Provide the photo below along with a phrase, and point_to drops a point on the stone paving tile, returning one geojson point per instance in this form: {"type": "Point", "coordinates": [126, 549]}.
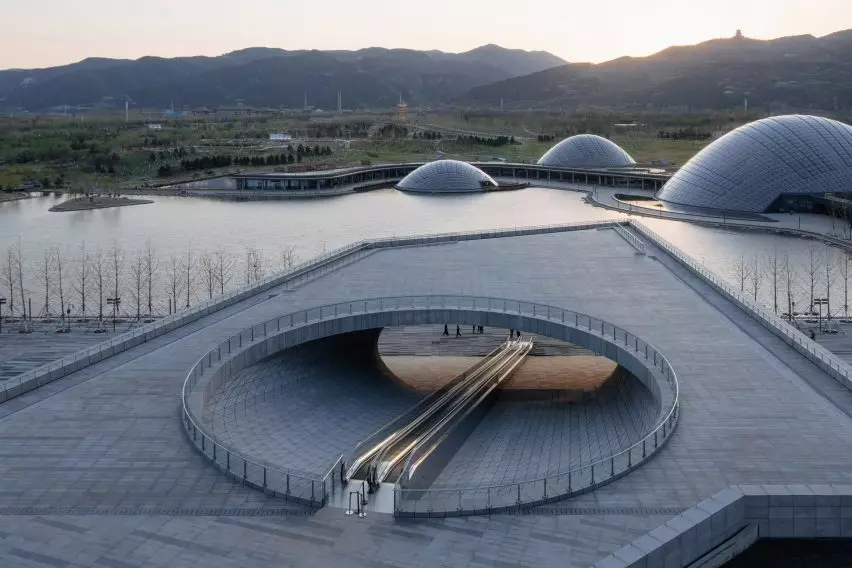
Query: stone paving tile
{"type": "Point", "coordinates": [522, 440]}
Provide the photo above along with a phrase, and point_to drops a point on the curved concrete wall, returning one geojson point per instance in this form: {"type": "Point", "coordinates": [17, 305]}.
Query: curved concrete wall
{"type": "Point", "coordinates": [231, 357]}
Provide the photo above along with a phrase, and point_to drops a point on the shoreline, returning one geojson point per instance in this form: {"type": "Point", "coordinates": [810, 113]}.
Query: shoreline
{"type": "Point", "coordinates": [89, 203]}
{"type": "Point", "coordinates": [13, 196]}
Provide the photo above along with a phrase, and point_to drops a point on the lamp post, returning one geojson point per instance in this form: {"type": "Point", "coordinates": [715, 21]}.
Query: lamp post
{"type": "Point", "coordinates": [114, 302]}
{"type": "Point", "coordinates": [2, 301]}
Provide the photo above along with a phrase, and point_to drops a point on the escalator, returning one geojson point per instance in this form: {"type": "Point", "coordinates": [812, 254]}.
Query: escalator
{"type": "Point", "coordinates": [385, 454]}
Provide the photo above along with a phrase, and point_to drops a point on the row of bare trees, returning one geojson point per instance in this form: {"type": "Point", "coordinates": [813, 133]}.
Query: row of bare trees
{"type": "Point", "coordinates": [820, 275]}
{"type": "Point", "coordinates": [79, 281]}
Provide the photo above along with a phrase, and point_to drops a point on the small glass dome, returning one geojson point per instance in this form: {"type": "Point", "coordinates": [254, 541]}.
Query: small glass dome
{"type": "Point", "coordinates": [446, 176]}
{"type": "Point", "coordinates": [586, 151]}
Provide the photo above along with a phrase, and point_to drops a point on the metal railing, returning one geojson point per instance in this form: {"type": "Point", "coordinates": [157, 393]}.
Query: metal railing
{"type": "Point", "coordinates": [315, 490]}
{"type": "Point", "coordinates": [301, 273]}
{"type": "Point", "coordinates": [816, 353]}
{"type": "Point", "coordinates": [632, 239]}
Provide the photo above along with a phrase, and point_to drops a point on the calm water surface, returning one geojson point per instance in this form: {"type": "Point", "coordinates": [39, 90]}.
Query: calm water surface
{"type": "Point", "coordinates": [173, 224]}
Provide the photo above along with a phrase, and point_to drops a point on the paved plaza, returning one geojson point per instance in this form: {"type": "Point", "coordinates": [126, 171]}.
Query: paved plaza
{"type": "Point", "coordinates": [548, 433]}
{"type": "Point", "coordinates": [96, 470]}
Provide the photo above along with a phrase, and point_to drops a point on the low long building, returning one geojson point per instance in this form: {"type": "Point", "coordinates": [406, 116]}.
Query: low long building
{"type": "Point", "coordinates": [360, 177]}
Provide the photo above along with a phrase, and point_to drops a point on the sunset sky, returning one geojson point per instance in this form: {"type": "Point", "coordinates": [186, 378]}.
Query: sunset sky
{"type": "Point", "coordinates": [40, 33]}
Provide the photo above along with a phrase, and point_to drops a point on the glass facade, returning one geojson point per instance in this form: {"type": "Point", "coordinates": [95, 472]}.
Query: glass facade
{"type": "Point", "coordinates": [446, 176]}
{"type": "Point", "coordinates": [586, 151]}
{"type": "Point", "coordinates": [751, 167]}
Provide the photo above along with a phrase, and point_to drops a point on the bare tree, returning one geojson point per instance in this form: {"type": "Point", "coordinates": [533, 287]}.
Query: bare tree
{"type": "Point", "coordinates": [190, 264]}
{"type": "Point", "coordinates": [224, 268]}
{"type": "Point", "coordinates": [255, 265]}
{"type": "Point", "coordinates": [742, 270]}
{"type": "Point", "coordinates": [288, 258]}
{"type": "Point", "coordinates": [116, 269]}
{"type": "Point", "coordinates": [175, 275]}
{"type": "Point", "coordinates": [47, 274]}
{"type": "Point", "coordinates": [151, 264]}
{"type": "Point", "coordinates": [137, 275]}
{"type": "Point", "coordinates": [9, 279]}
{"type": "Point", "coordinates": [20, 267]}
{"type": "Point", "coordinates": [58, 264]}
{"type": "Point", "coordinates": [812, 269]}
{"type": "Point", "coordinates": [99, 274]}
{"type": "Point", "coordinates": [844, 267]}
{"type": "Point", "coordinates": [830, 277]}
{"type": "Point", "coordinates": [207, 268]}
{"type": "Point", "coordinates": [82, 277]}
{"type": "Point", "coordinates": [756, 277]}
{"type": "Point", "coordinates": [774, 271]}
{"type": "Point", "coordinates": [788, 273]}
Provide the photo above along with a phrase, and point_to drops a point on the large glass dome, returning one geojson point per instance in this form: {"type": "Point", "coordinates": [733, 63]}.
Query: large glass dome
{"type": "Point", "coordinates": [446, 176]}
{"type": "Point", "coordinates": [586, 151]}
{"type": "Point", "coordinates": [752, 166]}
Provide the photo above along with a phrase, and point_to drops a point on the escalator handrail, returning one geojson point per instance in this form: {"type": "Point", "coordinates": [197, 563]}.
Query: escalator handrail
{"type": "Point", "coordinates": [437, 406]}
{"type": "Point", "coordinates": [394, 425]}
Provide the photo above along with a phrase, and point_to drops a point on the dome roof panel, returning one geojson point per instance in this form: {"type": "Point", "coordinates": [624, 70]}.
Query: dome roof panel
{"type": "Point", "coordinates": [586, 151]}
{"type": "Point", "coordinates": [449, 176]}
{"type": "Point", "coordinates": [750, 167]}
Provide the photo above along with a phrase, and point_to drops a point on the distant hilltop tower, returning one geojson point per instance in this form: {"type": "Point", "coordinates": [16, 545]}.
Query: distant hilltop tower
{"type": "Point", "coordinates": [401, 108]}
{"type": "Point", "coordinates": [739, 34]}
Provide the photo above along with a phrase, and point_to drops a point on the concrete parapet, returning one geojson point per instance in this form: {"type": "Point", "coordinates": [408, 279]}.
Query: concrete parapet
{"type": "Point", "coordinates": [717, 529]}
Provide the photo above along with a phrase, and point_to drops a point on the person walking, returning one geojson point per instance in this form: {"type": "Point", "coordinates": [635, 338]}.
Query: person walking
{"type": "Point", "coordinates": [519, 334]}
{"type": "Point", "coordinates": [446, 331]}
{"type": "Point", "coordinates": [511, 333]}
{"type": "Point", "coordinates": [458, 331]}
{"type": "Point", "coordinates": [472, 329]}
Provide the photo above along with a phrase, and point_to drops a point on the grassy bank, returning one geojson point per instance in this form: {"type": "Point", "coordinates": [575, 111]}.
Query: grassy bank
{"type": "Point", "coordinates": [110, 154]}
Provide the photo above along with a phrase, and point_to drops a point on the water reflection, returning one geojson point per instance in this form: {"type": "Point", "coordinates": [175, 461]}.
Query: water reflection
{"type": "Point", "coordinates": [309, 226]}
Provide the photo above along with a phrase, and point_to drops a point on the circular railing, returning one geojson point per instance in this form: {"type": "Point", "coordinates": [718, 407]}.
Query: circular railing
{"type": "Point", "coordinates": [207, 374]}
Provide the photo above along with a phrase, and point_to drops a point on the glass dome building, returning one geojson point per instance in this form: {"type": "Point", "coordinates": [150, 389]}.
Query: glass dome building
{"type": "Point", "coordinates": [446, 176]}
{"type": "Point", "coordinates": [766, 165]}
{"type": "Point", "coordinates": [587, 151]}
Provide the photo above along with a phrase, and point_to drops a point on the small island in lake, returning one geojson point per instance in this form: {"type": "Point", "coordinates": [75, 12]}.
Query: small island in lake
{"type": "Point", "coordinates": [97, 202]}
{"type": "Point", "coordinates": [13, 195]}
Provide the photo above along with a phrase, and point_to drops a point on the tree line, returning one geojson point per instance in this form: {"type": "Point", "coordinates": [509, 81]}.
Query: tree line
{"type": "Point", "coordinates": [226, 161]}
{"type": "Point", "coordinates": [494, 141]}
{"type": "Point", "coordinates": [77, 283]}
{"type": "Point", "coordinates": [684, 134]}
{"type": "Point", "coordinates": [793, 289]}
{"type": "Point", "coordinates": [427, 135]}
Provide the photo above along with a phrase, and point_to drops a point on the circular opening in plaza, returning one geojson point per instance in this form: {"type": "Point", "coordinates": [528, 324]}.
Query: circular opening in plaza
{"type": "Point", "coordinates": [431, 406]}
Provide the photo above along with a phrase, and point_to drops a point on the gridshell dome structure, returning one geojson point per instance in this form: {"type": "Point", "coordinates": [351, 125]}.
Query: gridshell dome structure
{"type": "Point", "coordinates": [446, 176]}
{"type": "Point", "coordinates": [751, 167]}
{"type": "Point", "coordinates": [586, 151]}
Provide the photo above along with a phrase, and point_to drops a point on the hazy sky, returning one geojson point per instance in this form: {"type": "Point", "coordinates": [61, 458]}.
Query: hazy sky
{"type": "Point", "coordinates": [38, 33]}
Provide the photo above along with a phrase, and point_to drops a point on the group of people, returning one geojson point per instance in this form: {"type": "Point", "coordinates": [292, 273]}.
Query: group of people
{"type": "Point", "coordinates": [479, 330]}
{"type": "Point", "coordinates": [476, 329]}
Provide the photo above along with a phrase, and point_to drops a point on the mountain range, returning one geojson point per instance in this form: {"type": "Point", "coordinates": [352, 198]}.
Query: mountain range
{"type": "Point", "coordinates": [796, 73]}
{"type": "Point", "coordinates": [800, 72]}
{"type": "Point", "coordinates": [372, 77]}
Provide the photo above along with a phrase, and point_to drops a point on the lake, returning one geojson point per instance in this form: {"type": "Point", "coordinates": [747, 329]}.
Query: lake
{"type": "Point", "coordinates": [174, 225]}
